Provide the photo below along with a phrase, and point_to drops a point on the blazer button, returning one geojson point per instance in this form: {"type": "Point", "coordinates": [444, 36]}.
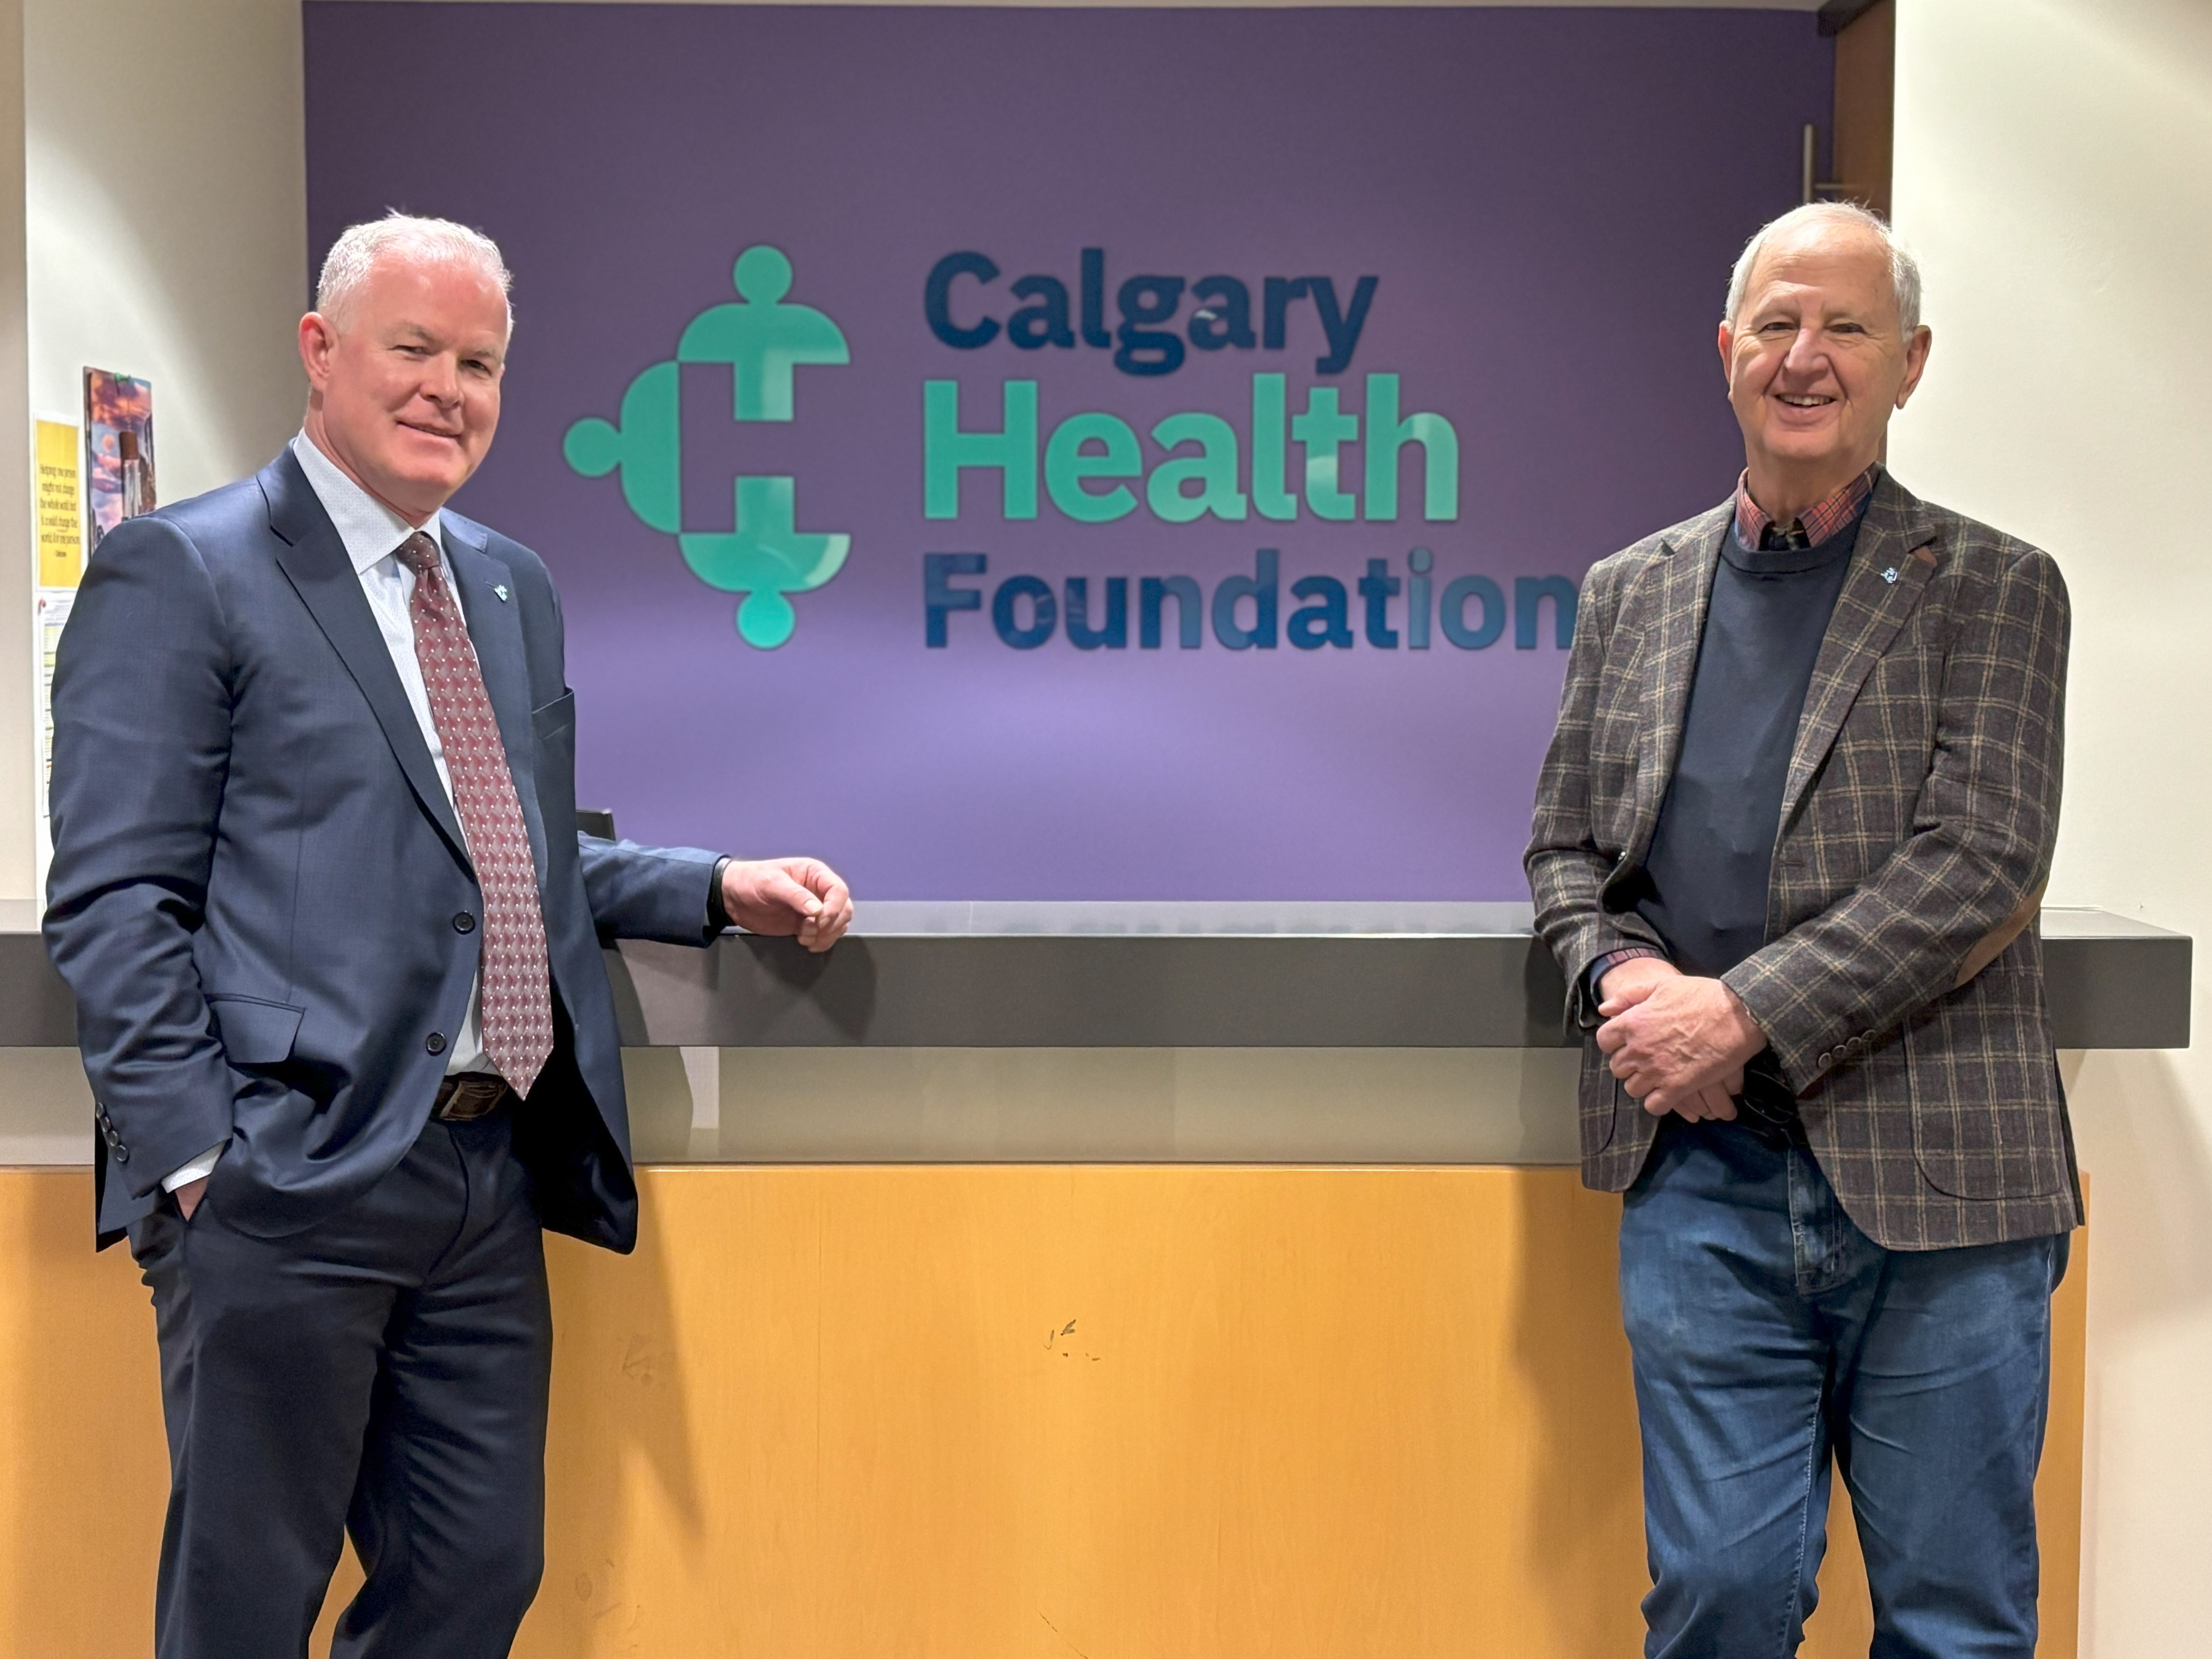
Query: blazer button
{"type": "Point", "coordinates": [122, 1153]}
{"type": "Point", "coordinates": [107, 1132]}
{"type": "Point", "coordinates": [435, 1043]}
{"type": "Point", "coordinates": [464, 922]}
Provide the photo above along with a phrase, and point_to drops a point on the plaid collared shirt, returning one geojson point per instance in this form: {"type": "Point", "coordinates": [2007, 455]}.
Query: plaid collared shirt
{"type": "Point", "coordinates": [1811, 528]}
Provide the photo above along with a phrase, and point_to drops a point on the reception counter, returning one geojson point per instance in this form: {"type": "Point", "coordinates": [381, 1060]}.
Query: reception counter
{"type": "Point", "coordinates": [1035, 975]}
{"type": "Point", "coordinates": [1265, 1033]}
{"type": "Point", "coordinates": [1027, 1281]}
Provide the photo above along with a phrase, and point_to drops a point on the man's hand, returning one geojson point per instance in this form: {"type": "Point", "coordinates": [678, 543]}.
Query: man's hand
{"type": "Point", "coordinates": [1629, 983]}
{"type": "Point", "coordinates": [785, 897]}
{"type": "Point", "coordinates": [189, 1195]}
{"type": "Point", "coordinates": [1677, 1044]}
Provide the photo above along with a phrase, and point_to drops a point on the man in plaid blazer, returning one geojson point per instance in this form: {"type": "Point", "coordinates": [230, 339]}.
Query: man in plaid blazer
{"type": "Point", "coordinates": [1789, 845]}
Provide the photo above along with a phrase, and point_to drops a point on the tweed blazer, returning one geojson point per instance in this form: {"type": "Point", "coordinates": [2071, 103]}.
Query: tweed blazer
{"type": "Point", "coordinates": [1901, 984]}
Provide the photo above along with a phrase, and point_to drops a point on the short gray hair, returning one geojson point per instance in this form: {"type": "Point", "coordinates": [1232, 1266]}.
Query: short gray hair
{"type": "Point", "coordinates": [356, 251]}
{"type": "Point", "coordinates": [1903, 269]}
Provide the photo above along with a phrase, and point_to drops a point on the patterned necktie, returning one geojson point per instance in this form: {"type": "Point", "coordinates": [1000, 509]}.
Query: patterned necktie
{"type": "Point", "coordinates": [518, 1009]}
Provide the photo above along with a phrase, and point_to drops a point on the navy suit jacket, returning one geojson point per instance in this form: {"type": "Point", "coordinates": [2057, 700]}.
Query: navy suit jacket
{"type": "Point", "coordinates": [259, 892]}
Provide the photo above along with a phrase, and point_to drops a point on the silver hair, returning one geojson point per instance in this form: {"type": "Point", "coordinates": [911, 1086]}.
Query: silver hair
{"type": "Point", "coordinates": [1903, 269]}
{"type": "Point", "coordinates": [358, 248]}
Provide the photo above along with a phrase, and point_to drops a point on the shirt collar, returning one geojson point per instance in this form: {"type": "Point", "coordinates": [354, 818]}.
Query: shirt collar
{"type": "Point", "coordinates": [1816, 524]}
{"type": "Point", "coordinates": [370, 531]}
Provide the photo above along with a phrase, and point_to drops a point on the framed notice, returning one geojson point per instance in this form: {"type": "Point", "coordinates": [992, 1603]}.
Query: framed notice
{"type": "Point", "coordinates": [61, 565]}
{"type": "Point", "coordinates": [61, 520]}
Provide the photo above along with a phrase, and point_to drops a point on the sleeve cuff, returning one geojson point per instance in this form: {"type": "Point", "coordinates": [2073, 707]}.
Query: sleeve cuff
{"type": "Point", "coordinates": [201, 1166]}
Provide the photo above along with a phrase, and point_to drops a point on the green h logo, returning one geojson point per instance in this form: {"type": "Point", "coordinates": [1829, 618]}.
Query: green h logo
{"type": "Point", "coordinates": [762, 339]}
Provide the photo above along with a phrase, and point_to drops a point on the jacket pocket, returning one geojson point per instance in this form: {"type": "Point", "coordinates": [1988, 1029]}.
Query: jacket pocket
{"type": "Point", "coordinates": [553, 729]}
{"type": "Point", "coordinates": [555, 718]}
{"type": "Point", "coordinates": [253, 1032]}
{"type": "Point", "coordinates": [1988, 1121]}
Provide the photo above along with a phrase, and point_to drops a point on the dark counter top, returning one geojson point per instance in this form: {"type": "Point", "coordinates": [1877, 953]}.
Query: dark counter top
{"type": "Point", "coordinates": [921, 974]}
{"type": "Point", "coordinates": [927, 974]}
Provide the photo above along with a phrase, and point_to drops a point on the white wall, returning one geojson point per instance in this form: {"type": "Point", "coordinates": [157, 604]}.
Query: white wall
{"type": "Point", "coordinates": [2054, 170]}
{"type": "Point", "coordinates": [164, 214]}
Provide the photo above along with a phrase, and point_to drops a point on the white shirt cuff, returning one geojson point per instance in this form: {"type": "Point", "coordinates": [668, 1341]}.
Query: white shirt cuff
{"type": "Point", "coordinates": [202, 1165]}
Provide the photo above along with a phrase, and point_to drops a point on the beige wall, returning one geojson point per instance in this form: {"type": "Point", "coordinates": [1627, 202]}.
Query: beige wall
{"type": "Point", "coordinates": [2054, 170]}
{"type": "Point", "coordinates": [163, 233]}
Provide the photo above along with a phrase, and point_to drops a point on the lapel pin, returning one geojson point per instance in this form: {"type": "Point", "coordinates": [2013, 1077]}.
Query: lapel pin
{"type": "Point", "coordinates": [499, 588]}
{"type": "Point", "coordinates": [1889, 575]}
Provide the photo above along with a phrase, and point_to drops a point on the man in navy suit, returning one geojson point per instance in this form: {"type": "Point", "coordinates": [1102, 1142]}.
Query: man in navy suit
{"type": "Point", "coordinates": [336, 948]}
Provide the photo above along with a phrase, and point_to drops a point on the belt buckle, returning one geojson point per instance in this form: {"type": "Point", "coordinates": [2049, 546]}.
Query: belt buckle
{"type": "Point", "coordinates": [465, 1099]}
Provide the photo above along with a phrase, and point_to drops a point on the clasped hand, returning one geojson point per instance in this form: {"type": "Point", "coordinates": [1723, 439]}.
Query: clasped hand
{"type": "Point", "coordinates": [1678, 1043]}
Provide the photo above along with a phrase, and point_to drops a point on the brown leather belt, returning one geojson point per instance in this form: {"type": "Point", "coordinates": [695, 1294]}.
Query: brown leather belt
{"type": "Point", "coordinates": [467, 1096]}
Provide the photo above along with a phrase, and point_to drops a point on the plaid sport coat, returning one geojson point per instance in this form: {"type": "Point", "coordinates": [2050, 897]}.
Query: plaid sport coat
{"type": "Point", "coordinates": [1901, 985]}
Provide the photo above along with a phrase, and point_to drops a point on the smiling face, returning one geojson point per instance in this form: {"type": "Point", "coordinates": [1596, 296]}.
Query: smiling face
{"type": "Point", "coordinates": [1817, 360]}
{"type": "Point", "coordinates": [403, 383]}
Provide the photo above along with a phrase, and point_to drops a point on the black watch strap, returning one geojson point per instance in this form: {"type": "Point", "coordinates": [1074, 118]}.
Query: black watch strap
{"type": "Point", "coordinates": [718, 914]}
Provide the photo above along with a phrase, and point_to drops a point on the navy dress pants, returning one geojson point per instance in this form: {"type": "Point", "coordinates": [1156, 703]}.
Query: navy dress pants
{"type": "Point", "coordinates": [1768, 1333]}
{"type": "Point", "coordinates": [383, 1373]}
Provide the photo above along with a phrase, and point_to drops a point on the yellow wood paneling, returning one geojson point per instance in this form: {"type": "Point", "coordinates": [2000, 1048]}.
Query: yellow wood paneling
{"type": "Point", "coordinates": [1007, 1413]}
{"type": "Point", "coordinates": [84, 1470]}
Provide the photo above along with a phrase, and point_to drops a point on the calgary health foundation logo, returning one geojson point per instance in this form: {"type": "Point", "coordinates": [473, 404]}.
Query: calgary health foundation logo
{"type": "Point", "coordinates": [762, 339]}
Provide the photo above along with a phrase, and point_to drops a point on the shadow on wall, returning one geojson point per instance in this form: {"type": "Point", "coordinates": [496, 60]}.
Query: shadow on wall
{"type": "Point", "coordinates": [2144, 1147]}
{"type": "Point", "coordinates": [2139, 1137]}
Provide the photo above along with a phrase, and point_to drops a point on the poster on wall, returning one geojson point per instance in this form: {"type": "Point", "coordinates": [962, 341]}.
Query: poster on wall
{"type": "Point", "coordinates": [119, 450]}
{"type": "Point", "coordinates": [1084, 452]}
{"type": "Point", "coordinates": [60, 565]}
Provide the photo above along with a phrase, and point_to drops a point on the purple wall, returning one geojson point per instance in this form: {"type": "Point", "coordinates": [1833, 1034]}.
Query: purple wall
{"type": "Point", "coordinates": [1549, 199]}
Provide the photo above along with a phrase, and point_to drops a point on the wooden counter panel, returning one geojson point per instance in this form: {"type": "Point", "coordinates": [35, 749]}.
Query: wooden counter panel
{"type": "Point", "coordinates": [1002, 1413]}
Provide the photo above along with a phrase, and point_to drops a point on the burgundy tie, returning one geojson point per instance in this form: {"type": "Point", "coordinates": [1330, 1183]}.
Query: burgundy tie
{"type": "Point", "coordinates": [518, 1009]}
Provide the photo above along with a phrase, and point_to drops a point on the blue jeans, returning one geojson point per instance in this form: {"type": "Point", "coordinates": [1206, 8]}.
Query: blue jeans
{"type": "Point", "coordinates": [1769, 1332]}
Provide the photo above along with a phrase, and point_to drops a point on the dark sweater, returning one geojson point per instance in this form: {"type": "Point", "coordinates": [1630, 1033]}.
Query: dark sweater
{"type": "Point", "coordinates": [1706, 876]}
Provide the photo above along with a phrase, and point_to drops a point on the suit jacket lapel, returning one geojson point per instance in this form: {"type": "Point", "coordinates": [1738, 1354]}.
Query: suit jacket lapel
{"type": "Point", "coordinates": [1686, 586]}
{"type": "Point", "coordinates": [494, 620]}
{"type": "Point", "coordinates": [1889, 570]}
{"type": "Point", "coordinates": [313, 560]}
